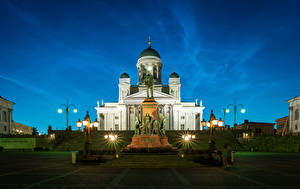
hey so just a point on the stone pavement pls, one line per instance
(54, 170)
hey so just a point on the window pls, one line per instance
(4, 117)
(280, 126)
(116, 117)
(182, 117)
(296, 114)
(5, 128)
(182, 126)
(296, 127)
(257, 130)
(116, 126)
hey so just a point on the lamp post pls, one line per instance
(87, 129)
(235, 108)
(212, 124)
(67, 106)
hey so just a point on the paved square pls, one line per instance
(54, 170)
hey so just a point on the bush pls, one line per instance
(1, 148)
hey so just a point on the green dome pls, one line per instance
(149, 52)
(124, 75)
(174, 75)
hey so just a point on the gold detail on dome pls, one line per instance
(149, 42)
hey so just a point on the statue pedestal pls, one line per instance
(154, 141)
(149, 106)
(146, 140)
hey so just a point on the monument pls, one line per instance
(150, 131)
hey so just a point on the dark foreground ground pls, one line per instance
(54, 170)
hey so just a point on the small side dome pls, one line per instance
(174, 75)
(124, 75)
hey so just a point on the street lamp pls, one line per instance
(87, 128)
(235, 106)
(212, 124)
(67, 106)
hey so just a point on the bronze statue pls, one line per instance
(155, 130)
(150, 126)
(162, 125)
(148, 82)
(146, 123)
(137, 126)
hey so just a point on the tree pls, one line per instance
(34, 131)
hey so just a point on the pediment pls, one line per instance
(140, 96)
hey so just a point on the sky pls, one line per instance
(51, 50)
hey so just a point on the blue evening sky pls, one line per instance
(221, 49)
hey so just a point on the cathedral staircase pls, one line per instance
(169, 160)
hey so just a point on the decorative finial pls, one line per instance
(200, 102)
(102, 101)
(98, 104)
(149, 42)
(196, 101)
(125, 70)
(174, 70)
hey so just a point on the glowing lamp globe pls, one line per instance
(75, 110)
(227, 110)
(243, 110)
(215, 122)
(59, 110)
(78, 123)
(85, 123)
(96, 123)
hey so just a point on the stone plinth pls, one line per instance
(153, 141)
(149, 106)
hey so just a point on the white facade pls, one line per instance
(294, 115)
(121, 115)
(5, 116)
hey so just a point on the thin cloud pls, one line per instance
(26, 86)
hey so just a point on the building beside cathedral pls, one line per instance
(121, 115)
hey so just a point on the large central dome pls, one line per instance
(149, 52)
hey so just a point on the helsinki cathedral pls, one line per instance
(121, 115)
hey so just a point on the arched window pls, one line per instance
(296, 114)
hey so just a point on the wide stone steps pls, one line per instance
(148, 161)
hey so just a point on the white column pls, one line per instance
(201, 128)
(105, 121)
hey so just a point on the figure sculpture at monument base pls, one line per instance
(150, 132)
